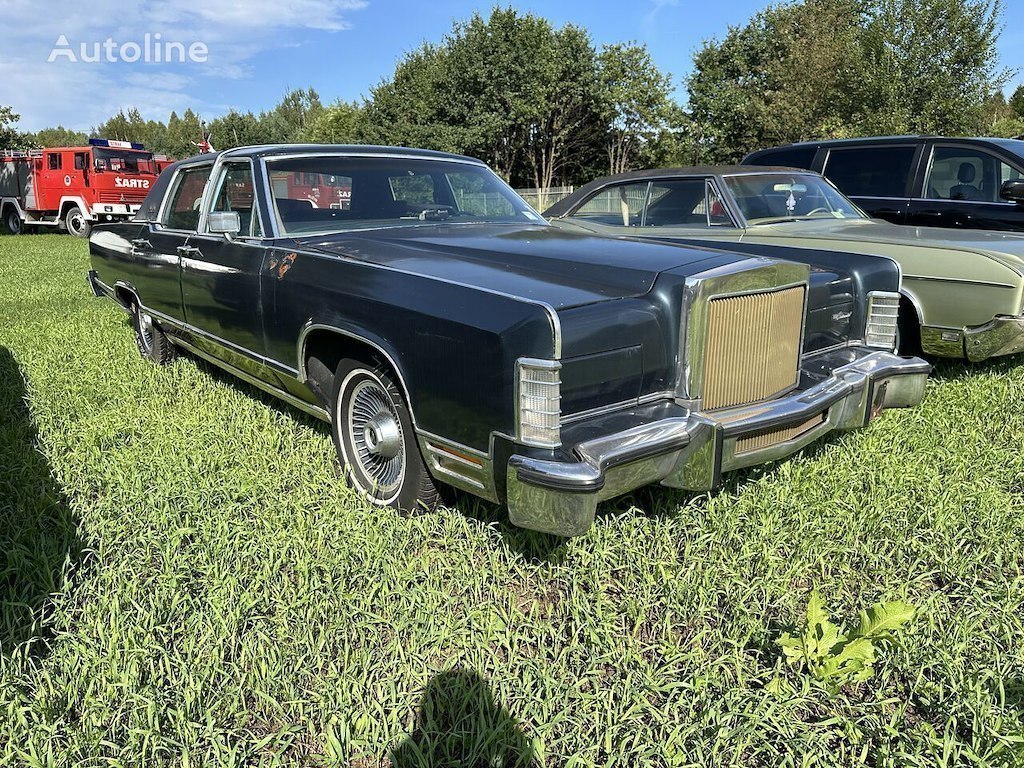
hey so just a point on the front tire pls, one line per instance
(153, 343)
(76, 223)
(376, 443)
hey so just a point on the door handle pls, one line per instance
(141, 243)
(187, 250)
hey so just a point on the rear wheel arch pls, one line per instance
(126, 296)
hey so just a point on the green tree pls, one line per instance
(183, 135)
(297, 111)
(822, 68)
(637, 105)
(411, 109)
(337, 124)
(56, 137)
(9, 135)
(1016, 101)
(509, 89)
(237, 129)
(929, 65)
(782, 77)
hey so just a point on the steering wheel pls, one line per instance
(817, 210)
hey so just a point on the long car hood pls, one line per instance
(541, 263)
(1005, 247)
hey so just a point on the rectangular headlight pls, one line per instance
(883, 314)
(538, 402)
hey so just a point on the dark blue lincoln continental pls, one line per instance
(450, 335)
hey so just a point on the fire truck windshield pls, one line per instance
(123, 161)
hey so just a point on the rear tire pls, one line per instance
(375, 439)
(153, 343)
(11, 224)
(76, 223)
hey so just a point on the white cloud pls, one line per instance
(81, 95)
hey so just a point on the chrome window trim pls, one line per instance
(728, 280)
(279, 229)
(962, 202)
(178, 172)
(218, 173)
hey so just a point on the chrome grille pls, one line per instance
(752, 350)
(883, 316)
(770, 437)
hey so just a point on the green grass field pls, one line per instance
(186, 581)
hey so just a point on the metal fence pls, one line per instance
(541, 199)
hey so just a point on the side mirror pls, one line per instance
(1013, 190)
(225, 223)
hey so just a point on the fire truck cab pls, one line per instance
(71, 188)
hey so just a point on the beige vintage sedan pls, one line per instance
(963, 290)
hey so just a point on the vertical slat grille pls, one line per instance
(753, 346)
(771, 437)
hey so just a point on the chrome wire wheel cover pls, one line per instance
(145, 323)
(375, 432)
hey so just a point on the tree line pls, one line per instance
(545, 106)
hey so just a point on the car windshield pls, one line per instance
(322, 194)
(123, 161)
(768, 198)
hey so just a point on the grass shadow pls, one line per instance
(460, 723)
(39, 544)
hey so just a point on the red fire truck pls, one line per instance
(71, 188)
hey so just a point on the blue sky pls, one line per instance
(256, 50)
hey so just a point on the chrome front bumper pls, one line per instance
(691, 450)
(1003, 336)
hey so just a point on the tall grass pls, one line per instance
(186, 581)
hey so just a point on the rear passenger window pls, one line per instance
(871, 171)
(617, 206)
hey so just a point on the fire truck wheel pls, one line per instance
(152, 342)
(11, 222)
(76, 223)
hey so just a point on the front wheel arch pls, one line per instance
(908, 327)
(322, 347)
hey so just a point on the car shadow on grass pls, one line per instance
(39, 544)
(460, 722)
(950, 369)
